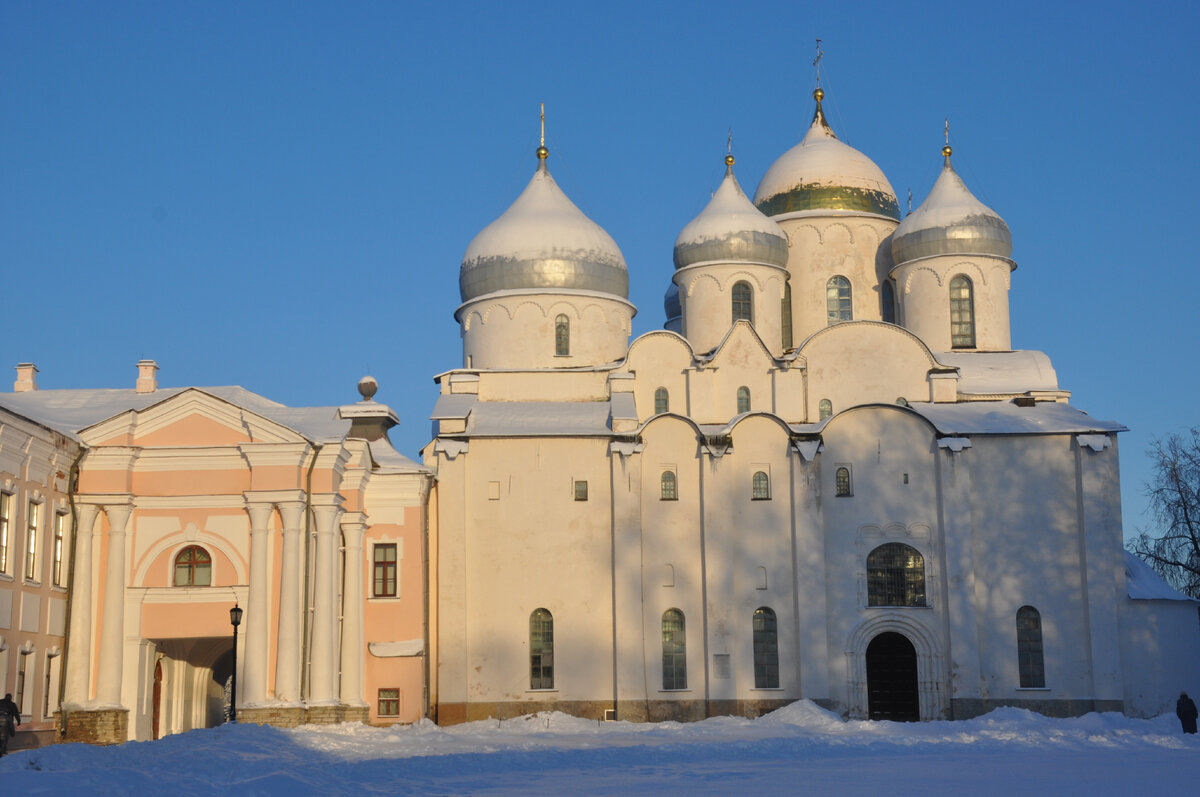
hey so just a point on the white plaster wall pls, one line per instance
(659, 359)
(706, 295)
(924, 292)
(1160, 645)
(517, 330)
(852, 364)
(824, 246)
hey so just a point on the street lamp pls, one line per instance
(235, 619)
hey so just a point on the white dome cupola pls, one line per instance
(730, 265)
(953, 266)
(543, 286)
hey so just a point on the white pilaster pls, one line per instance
(323, 681)
(112, 636)
(79, 654)
(291, 605)
(353, 527)
(253, 688)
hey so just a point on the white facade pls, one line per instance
(898, 520)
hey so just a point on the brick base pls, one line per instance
(104, 726)
(292, 716)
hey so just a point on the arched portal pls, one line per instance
(892, 692)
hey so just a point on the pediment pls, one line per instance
(743, 347)
(190, 418)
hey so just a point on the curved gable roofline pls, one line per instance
(654, 333)
(879, 406)
(724, 430)
(712, 356)
(894, 327)
(738, 419)
(675, 416)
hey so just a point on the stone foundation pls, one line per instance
(627, 710)
(293, 716)
(103, 726)
(964, 708)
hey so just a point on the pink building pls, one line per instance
(191, 500)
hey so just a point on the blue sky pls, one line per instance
(278, 195)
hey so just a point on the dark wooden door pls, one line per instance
(892, 679)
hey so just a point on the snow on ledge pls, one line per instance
(388, 650)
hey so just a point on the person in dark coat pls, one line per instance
(9, 713)
(1185, 709)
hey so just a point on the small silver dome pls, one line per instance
(822, 173)
(543, 242)
(731, 230)
(951, 221)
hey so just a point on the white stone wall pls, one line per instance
(923, 288)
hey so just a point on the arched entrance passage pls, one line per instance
(892, 692)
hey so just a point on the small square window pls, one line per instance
(581, 491)
(389, 702)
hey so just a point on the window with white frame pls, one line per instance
(6, 501)
(31, 540)
(60, 529)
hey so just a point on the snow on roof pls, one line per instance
(991, 372)
(1004, 417)
(453, 405)
(1143, 584)
(952, 214)
(730, 219)
(71, 411)
(553, 418)
(390, 460)
(624, 406)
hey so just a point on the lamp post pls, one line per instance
(235, 619)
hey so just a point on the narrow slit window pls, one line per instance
(766, 649)
(785, 312)
(562, 336)
(31, 541)
(541, 650)
(887, 302)
(674, 650)
(962, 313)
(5, 517)
(1029, 648)
(60, 524)
(743, 302)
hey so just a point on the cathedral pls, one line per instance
(828, 477)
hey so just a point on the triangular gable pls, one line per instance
(192, 417)
(742, 340)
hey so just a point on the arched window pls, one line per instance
(562, 336)
(743, 302)
(785, 311)
(962, 313)
(662, 401)
(667, 486)
(541, 650)
(193, 567)
(760, 486)
(887, 302)
(841, 479)
(1029, 648)
(766, 649)
(674, 652)
(837, 300)
(825, 409)
(743, 399)
(895, 576)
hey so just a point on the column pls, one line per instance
(253, 686)
(323, 683)
(79, 654)
(352, 611)
(291, 605)
(112, 639)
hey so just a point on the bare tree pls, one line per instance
(1173, 550)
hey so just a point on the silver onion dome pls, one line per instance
(951, 221)
(543, 242)
(822, 173)
(731, 230)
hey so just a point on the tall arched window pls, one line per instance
(887, 302)
(962, 313)
(785, 311)
(674, 651)
(841, 479)
(541, 650)
(760, 489)
(895, 576)
(193, 567)
(1029, 648)
(766, 649)
(562, 335)
(837, 300)
(824, 409)
(743, 302)
(743, 399)
(668, 486)
(662, 401)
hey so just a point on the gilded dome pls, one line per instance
(951, 221)
(822, 173)
(543, 242)
(731, 230)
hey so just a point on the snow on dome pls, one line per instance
(822, 173)
(543, 242)
(731, 230)
(951, 221)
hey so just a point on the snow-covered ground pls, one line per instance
(796, 750)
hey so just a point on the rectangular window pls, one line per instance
(580, 491)
(389, 702)
(60, 525)
(21, 660)
(31, 542)
(46, 691)
(385, 571)
(5, 514)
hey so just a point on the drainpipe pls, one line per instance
(425, 491)
(72, 484)
(306, 657)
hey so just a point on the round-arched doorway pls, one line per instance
(892, 679)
